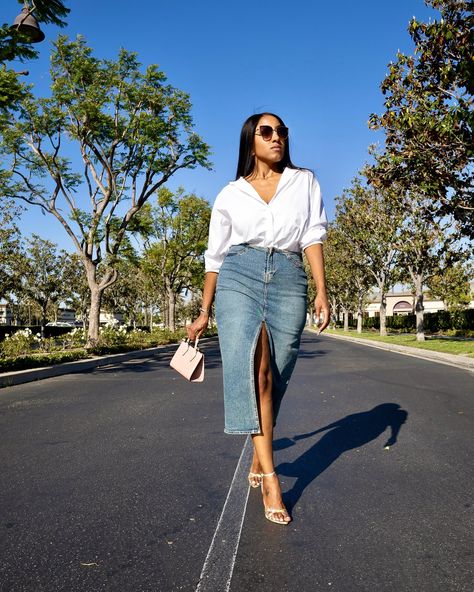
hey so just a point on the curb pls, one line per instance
(463, 363)
(23, 376)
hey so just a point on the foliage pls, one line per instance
(31, 352)
(10, 252)
(42, 273)
(342, 291)
(426, 245)
(74, 338)
(40, 360)
(369, 220)
(429, 117)
(451, 285)
(442, 321)
(19, 343)
(132, 130)
(173, 257)
(128, 295)
(76, 291)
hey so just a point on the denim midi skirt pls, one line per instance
(258, 285)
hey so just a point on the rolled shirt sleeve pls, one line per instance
(316, 225)
(219, 237)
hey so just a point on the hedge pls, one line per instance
(40, 360)
(443, 320)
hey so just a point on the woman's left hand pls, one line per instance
(321, 307)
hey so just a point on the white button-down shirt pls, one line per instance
(292, 220)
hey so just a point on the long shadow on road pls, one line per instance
(352, 431)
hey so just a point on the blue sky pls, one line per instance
(317, 64)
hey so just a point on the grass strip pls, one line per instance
(448, 345)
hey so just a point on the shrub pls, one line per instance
(20, 343)
(110, 337)
(40, 360)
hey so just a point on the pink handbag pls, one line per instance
(189, 361)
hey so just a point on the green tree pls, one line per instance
(425, 243)
(347, 277)
(174, 261)
(370, 219)
(42, 274)
(429, 116)
(132, 132)
(451, 285)
(128, 294)
(10, 248)
(76, 289)
(341, 289)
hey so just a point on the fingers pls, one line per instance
(195, 330)
(323, 309)
(325, 323)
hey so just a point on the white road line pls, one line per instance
(218, 567)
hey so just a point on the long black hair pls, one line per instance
(246, 163)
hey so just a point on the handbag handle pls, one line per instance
(195, 348)
(196, 341)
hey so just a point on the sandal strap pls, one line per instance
(268, 474)
(255, 474)
(274, 510)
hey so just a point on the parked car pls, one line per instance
(60, 324)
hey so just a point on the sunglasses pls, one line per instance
(266, 131)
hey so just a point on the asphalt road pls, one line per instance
(115, 479)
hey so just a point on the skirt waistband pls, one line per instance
(269, 250)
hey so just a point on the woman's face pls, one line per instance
(269, 151)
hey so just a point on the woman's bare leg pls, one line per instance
(263, 442)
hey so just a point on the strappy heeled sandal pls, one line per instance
(270, 512)
(252, 476)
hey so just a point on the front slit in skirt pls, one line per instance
(258, 285)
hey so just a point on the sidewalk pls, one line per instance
(457, 361)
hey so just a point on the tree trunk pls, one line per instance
(44, 307)
(164, 312)
(383, 313)
(95, 304)
(359, 321)
(334, 313)
(171, 308)
(360, 311)
(346, 320)
(94, 316)
(419, 308)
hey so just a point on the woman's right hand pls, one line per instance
(197, 327)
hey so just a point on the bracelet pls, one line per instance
(204, 310)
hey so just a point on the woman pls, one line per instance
(260, 225)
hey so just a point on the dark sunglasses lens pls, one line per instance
(282, 132)
(266, 132)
